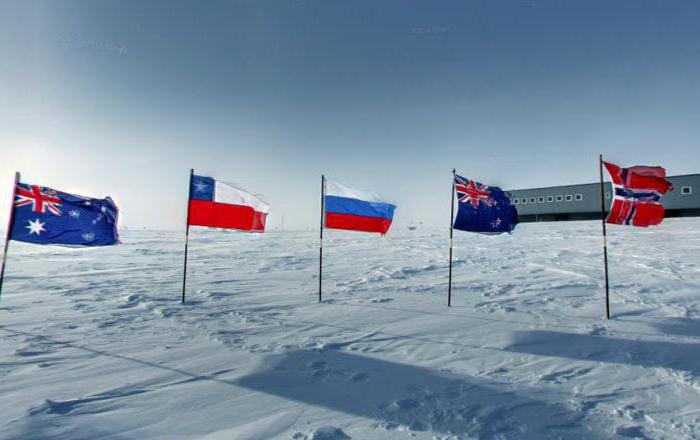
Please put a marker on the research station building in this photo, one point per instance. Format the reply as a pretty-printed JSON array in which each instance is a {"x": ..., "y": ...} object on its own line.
[{"x": 582, "y": 202}]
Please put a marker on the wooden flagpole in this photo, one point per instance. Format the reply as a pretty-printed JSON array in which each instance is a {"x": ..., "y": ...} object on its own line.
[
  {"x": 452, "y": 218},
  {"x": 187, "y": 236},
  {"x": 7, "y": 233},
  {"x": 320, "y": 246},
  {"x": 605, "y": 239}
]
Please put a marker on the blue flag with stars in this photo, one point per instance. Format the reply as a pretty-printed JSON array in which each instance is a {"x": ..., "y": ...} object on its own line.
[
  {"x": 484, "y": 209},
  {"x": 44, "y": 216}
]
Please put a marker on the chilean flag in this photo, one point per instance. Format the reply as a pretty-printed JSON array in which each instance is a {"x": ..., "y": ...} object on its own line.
[
  {"x": 354, "y": 210},
  {"x": 222, "y": 205},
  {"x": 637, "y": 194}
]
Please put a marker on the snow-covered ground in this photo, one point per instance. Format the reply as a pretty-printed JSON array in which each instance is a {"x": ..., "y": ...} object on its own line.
[{"x": 94, "y": 343}]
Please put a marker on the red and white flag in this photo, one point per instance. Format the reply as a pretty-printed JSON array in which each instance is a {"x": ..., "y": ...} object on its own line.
[
  {"x": 636, "y": 195},
  {"x": 223, "y": 205}
]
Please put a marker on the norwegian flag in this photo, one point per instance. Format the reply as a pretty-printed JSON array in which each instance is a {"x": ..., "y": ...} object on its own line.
[{"x": 637, "y": 194}]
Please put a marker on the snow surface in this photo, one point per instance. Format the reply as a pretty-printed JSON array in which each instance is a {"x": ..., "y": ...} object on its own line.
[{"x": 95, "y": 344}]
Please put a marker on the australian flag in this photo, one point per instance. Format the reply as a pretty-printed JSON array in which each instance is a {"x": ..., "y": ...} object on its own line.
[
  {"x": 44, "y": 216},
  {"x": 482, "y": 208}
]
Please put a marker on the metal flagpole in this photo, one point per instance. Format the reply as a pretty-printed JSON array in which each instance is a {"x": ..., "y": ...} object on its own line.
[
  {"x": 7, "y": 233},
  {"x": 452, "y": 218},
  {"x": 605, "y": 239},
  {"x": 320, "y": 246},
  {"x": 187, "y": 236}
]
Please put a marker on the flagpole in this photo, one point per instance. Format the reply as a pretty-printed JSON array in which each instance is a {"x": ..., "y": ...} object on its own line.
[
  {"x": 452, "y": 218},
  {"x": 7, "y": 233},
  {"x": 320, "y": 246},
  {"x": 187, "y": 236},
  {"x": 605, "y": 239}
]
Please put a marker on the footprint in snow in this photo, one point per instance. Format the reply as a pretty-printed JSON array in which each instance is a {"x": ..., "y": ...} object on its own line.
[
  {"x": 631, "y": 432},
  {"x": 380, "y": 300},
  {"x": 318, "y": 369},
  {"x": 564, "y": 375},
  {"x": 227, "y": 337},
  {"x": 631, "y": 413},
  {"x": 406, "y": 404},
  {"x": 359, "y": 377},
  {"x": 29, "y": 351},
  {"x": 132, "y": 300},
  {"x": 597, "y": 330},
  {"x": 325, "y": 433}
]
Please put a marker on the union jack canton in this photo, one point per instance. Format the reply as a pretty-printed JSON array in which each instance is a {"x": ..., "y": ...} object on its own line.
[{"x": 484, "y": 209}]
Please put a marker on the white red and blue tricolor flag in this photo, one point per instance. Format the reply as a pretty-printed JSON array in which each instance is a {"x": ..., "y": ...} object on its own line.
[
  {"x": 45, "y": 216},
  {"x": 484, "y": 209},
  {"x": 355, "y": 210},
  {"x": 637, "y": 193},
  {"x": 223, "y": 205}
]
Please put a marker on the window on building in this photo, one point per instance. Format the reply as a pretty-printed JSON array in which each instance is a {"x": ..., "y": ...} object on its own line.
[
  {"x": 550, "y": 199},
  {"x": 533, "y": 200},
  {"x": 560, "y": 198},
  {"x": 607, "y": 195},
  {"x": 579, "y": 197},
  {"x": 569, "y": 197},
  {"x": 516, "y": 201},
  {"x": 540, "y": 199},
  {"x": 686, "y": 190},
  {"x": 523, "y": 201}
]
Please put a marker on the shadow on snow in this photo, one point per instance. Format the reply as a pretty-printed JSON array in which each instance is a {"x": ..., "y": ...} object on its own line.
[
  {"x": 664, "y": 354},
  {"x": 403, "y": 397},
  {"x": 397, "y": 396}
]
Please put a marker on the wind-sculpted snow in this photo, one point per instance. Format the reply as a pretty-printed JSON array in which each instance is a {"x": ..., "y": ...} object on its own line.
[{"x": 95, "y": 343}]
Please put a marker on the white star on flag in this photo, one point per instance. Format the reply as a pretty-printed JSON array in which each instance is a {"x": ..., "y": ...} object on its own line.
[
  {"x": 200, "y": 187},
  {"x": 35, "y": 227},
  {"x": 88, "y": 236},
  {"x": 74, "y": 213},
  {"x": 496, "y": 223}
]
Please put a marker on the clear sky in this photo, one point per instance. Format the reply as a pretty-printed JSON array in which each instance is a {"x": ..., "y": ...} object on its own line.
[{"x": 122, "y": 98}]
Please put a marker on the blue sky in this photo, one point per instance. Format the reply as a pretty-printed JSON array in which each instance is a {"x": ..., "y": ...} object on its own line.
[{"x": 122, "y": 98}]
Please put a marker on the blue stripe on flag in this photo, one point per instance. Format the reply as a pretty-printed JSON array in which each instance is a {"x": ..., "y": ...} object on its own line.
[
  {"x": 344, "y": 205},
  {"x": 637, "y": 195}
]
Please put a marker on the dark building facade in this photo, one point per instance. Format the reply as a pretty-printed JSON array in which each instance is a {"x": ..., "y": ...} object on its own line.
[{"x": 582, "y": 202}]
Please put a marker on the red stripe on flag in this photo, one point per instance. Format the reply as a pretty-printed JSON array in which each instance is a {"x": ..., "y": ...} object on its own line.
[
  {"x": 223, "y": 215},
  {"x": 357, "y": 223},
  {"x": 638, "y": 181},
  {"x": 645, "y": 214},
  {"x": 640, "y": 177}
]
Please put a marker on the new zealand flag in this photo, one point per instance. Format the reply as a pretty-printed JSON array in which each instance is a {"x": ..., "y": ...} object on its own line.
[
  {"x": 45, "y": 216},
  {"x": 482, "y": 208}
]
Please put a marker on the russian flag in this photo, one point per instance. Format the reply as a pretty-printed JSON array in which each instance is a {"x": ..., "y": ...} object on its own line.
[
  {"x": 222, "y": 205},
  {"x": 354, "y": 210}
]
